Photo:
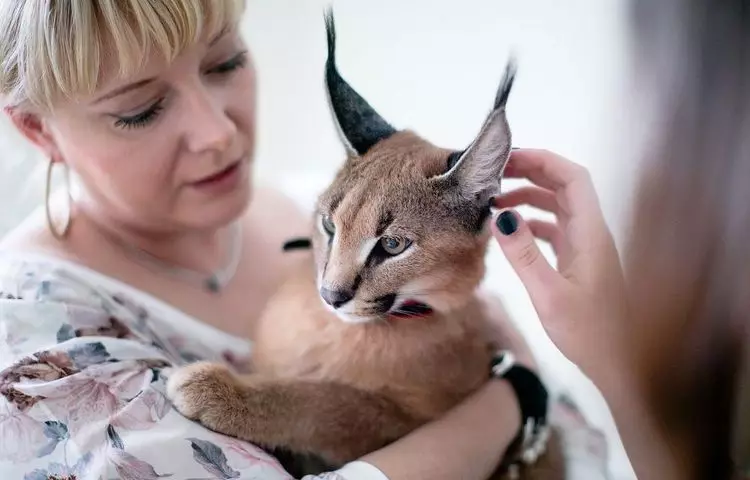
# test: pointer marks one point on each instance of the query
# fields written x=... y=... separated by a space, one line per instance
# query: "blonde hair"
x=52 y=48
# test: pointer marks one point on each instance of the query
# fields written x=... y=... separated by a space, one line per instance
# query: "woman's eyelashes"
x=234 y=63
x=145 y=117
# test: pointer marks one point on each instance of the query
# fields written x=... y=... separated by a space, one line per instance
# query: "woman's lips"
x=222 y=181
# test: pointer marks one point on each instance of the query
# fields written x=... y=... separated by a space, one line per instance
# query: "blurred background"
x=433 y=66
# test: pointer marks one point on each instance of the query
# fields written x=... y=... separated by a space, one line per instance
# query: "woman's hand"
x=582 y=304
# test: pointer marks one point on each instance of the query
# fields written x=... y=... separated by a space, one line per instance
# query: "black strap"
x=302 y=243
x=532 y=399
x=532 y=395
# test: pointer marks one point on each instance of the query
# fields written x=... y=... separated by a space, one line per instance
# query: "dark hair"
x=688 y=257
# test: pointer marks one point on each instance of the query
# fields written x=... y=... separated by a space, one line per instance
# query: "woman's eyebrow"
x=219 y=35
x=124 y=89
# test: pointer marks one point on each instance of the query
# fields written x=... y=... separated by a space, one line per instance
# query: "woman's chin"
x=222 y=211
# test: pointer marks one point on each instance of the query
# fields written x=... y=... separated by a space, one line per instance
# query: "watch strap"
x=533 y=400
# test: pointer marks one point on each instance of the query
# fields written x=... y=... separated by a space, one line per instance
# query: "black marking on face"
x=357 y=282
x=385 y=303
x=377 y=256
x=386 y=219
x=413 y=309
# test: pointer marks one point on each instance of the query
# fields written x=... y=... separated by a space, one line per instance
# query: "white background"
x=433 y=66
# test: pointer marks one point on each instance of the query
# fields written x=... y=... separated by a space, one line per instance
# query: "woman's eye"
x=394 y=245
x=147 y=116
x=328 y=224
x=140 y=119
x=236 y=62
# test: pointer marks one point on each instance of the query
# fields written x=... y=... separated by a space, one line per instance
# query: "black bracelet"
x=531 y=440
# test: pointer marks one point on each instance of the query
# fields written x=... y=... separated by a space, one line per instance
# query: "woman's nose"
x=210 y=127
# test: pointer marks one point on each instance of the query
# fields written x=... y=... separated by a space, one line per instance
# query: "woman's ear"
x=35 y=129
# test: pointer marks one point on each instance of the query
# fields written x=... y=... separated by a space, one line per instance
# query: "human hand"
x=582 y=304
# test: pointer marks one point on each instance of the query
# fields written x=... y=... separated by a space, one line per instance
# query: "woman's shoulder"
x=279 y=213
x=273 y=219
x=48 y=301
x=43 y=302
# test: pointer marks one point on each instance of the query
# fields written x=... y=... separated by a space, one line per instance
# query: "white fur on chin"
x=353 y=319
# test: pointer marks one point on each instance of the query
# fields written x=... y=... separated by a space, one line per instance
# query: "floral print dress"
x=83 y=365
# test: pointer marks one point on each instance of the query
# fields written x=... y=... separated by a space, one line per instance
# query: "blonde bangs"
x=50 y=48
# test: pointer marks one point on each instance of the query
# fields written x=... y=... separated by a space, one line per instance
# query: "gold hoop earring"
x=58 y=233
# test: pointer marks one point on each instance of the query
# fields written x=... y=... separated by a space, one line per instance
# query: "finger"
x=540 y=198
x=570 y=182
x=542 y=167
x=549 y=232
x=520 y=248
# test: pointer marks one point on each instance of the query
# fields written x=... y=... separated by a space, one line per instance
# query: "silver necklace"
x=213 y=282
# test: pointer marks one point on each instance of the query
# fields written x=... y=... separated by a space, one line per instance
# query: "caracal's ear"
x=476 y=171
x=34 y=128
x=359 y=124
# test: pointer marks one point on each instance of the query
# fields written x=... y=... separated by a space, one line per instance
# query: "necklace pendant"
x=212 y=284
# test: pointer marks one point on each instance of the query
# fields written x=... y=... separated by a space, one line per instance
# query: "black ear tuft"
x=503 y=91
x=360 y=125
x=330 y=36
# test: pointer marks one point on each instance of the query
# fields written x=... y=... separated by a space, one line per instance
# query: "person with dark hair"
x=664 y=336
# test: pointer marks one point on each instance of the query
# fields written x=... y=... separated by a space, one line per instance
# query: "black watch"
x=533 y=399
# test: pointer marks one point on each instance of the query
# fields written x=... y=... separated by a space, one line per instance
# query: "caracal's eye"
x=394 y=245
x=328 y=224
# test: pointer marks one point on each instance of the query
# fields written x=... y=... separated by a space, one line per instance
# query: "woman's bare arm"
x=468 y=442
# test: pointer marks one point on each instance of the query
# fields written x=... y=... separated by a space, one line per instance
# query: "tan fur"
x=332 y=420
x=337 y=389
x=425 y=365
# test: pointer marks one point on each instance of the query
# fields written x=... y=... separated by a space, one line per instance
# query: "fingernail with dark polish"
x=507 y=222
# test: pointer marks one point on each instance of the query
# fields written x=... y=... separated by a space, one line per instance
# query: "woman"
x=666 y=351
x=161 y=259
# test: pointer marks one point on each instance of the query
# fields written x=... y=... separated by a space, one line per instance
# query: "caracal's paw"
x=201 y=391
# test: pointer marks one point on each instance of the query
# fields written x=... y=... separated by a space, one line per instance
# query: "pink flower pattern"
x=21 y=436
x=80 y=407
x=143 y=414
x=251 y=455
